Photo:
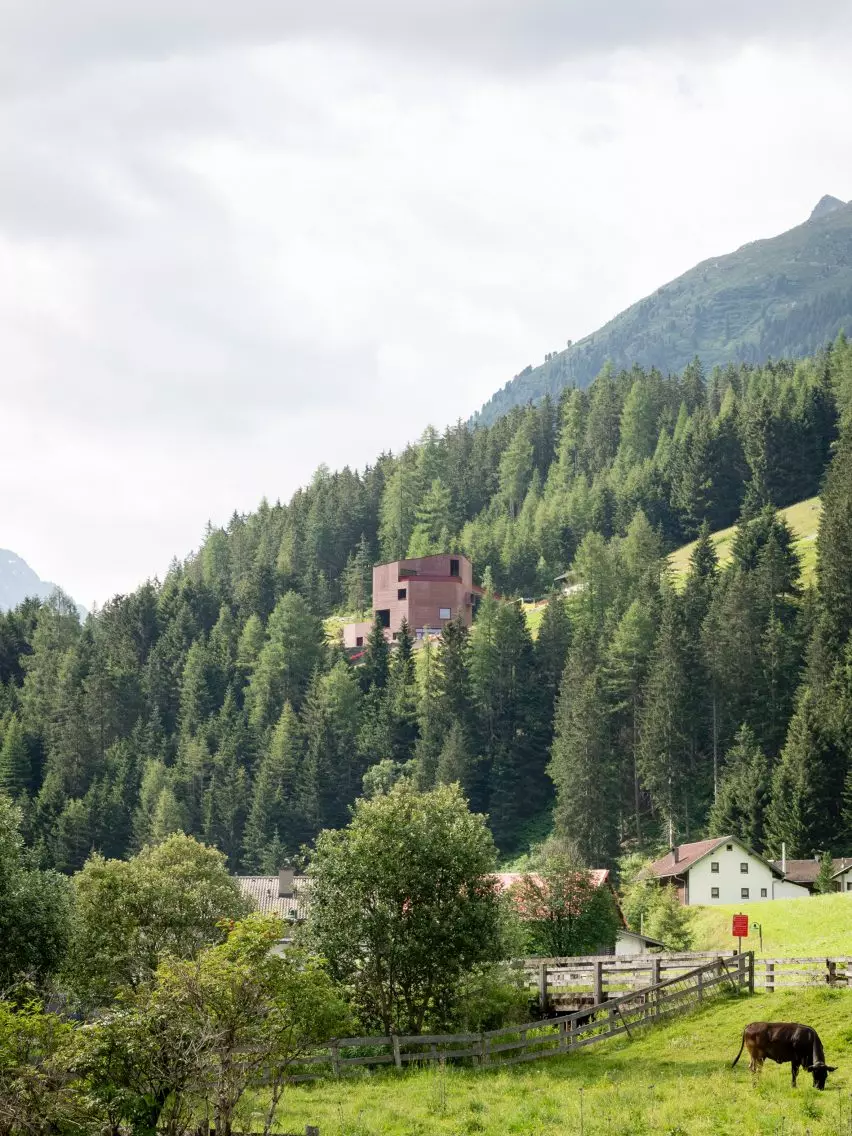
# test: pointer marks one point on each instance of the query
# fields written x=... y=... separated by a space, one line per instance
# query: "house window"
x=729 y=847
x=714 y=866
x=401 y=593
x=744 y=868
x=359 y=640
x=395 y=636
x=419 y=633
x=445 y=613
x=454 y=567
x=383 y=616
x=743 y=893
x=849 y=887
x=763 y=893
x=714 y=893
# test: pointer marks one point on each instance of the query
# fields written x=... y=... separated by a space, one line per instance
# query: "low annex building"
x=805 y=872
x=723 y=870
x=426 y=591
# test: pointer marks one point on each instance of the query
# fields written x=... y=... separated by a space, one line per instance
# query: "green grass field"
x=674 y=1080
x=803 y=519
x=818 y=925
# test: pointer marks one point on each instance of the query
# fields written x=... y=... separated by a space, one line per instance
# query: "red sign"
x=740 y=928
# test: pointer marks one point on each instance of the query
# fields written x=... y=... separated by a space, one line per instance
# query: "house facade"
x=427 y=591
x=722 y=870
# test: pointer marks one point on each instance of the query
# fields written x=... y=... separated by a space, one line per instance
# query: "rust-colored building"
x=428 y=591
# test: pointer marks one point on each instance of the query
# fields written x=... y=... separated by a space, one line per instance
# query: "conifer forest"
x=644 y=707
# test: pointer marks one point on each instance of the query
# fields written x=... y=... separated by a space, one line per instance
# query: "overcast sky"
x=240 y=240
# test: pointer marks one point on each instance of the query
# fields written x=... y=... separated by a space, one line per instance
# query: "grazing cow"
x=786 y=1041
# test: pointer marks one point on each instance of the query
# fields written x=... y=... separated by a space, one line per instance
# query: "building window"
x=454 y=567
x=729 y=847
x=383 y=616
x=714 y=866
x=744 y=868
x=395 y=636
x=763 y=893
x=401 y=593
x=743 y=893
x=714 y=893
x=359 y=640
x=419 y=633
x=445 y=613
x=849 y=887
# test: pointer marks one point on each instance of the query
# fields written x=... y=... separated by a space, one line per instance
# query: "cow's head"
x=820 y=1072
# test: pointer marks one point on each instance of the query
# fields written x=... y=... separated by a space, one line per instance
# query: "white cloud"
x=227 y=263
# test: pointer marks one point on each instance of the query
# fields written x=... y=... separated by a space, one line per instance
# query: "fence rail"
x=533 y=1040
x=563 y=983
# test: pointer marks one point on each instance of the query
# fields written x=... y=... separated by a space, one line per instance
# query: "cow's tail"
x=739 y=1055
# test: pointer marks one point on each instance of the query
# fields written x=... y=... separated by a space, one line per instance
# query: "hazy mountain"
x=18 y=581
x=788 y=295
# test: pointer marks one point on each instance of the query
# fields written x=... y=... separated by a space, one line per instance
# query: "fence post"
x=832 y=972
x=751 y=972
x=542 y=985
x=770 y=977
x=700 y=977
x=483 y=1059
x=655 y=970
x=598 y=995
x=397 y=1056
x=335 y=1058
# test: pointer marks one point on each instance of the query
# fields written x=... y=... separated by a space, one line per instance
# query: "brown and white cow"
x=786 y=1041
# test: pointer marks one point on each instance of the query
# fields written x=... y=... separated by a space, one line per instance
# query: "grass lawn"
x=818 y=925
x=673 y=1080
x=803 y=519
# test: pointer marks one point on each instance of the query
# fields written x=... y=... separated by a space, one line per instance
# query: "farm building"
x=722 y=870
x=427 y=592
x=805 y=872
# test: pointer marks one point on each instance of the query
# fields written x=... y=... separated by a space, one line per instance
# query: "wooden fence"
x=529 y=1042
x=591 y=979
x=563 y=983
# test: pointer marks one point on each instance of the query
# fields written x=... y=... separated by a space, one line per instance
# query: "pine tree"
x=834 y=547
x=358 y=578
x=806 y=811
x=581 y=764
x=741 y=805
x=274 y=816
x=824 y=883
x=551 y=652
x=15 y=765
x=375 y=667
x=431 y=534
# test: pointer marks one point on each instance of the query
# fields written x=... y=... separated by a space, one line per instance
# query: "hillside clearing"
x=803 y=519
x=818 y=925
x=675 y=1080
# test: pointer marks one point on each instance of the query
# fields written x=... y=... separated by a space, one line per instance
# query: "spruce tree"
x=375 y=666
x=15 y=765
x=581 y=763
x=274 y=816
x=740 y=807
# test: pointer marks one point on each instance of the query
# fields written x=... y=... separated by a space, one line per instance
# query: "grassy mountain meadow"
x=771 y=298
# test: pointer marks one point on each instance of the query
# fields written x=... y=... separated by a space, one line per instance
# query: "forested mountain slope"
x=779 y=297
x=211 y=702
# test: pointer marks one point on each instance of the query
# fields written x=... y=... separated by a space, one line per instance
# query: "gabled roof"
x=263 y=892
x=667 y=867
x=505 y=880
x=805 y=872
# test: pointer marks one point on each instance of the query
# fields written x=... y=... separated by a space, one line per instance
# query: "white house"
x=723 y=870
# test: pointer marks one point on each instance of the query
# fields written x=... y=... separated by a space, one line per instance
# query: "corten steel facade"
x=428 y=591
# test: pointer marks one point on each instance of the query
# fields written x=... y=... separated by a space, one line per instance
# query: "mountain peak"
x=826 y=204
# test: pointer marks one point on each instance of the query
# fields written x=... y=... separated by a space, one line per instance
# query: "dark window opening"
x=395 y=636
x=714 y=893
x=454 y=567
x=359 y=640
x=383 y=616
x=714 y=865
x=763 y=893
x=401 y=593
x=744 y=868
x=730 y=847
x=743 y=893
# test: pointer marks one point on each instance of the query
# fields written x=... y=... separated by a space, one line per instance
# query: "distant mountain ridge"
x=18 y=581
x=784 y=296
